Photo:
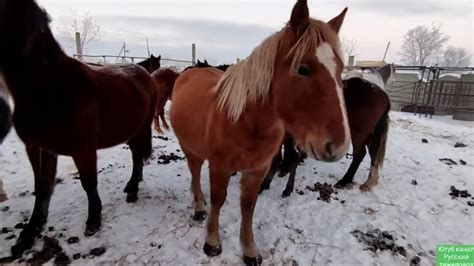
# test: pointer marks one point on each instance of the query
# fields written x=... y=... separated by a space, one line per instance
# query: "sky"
x=228 y=29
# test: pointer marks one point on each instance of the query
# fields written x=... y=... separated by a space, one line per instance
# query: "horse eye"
x=304 y=71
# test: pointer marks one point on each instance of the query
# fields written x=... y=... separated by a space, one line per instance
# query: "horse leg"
x=249 y=193
x=44 y=167
x=219 y=180
x=195 y=164
x=271 y=173
x=358 y=156
x=86 y=163
x=289 y=155
x=141 y=148
x=290 y=186
x=3 y=195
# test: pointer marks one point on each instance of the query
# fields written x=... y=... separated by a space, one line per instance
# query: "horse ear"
x=299 y=17
x=159 y=57
x=336 y=22
x=205 y=62
x=151 y=56
x=199 y=62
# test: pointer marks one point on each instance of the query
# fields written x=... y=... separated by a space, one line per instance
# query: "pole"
x=386 y=50
x=148 y=46
x=78 y=46
x=193 y=53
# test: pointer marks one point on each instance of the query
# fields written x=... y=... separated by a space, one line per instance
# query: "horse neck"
x=40 y=62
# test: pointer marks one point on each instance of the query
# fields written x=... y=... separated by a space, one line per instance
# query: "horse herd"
x=288 y=91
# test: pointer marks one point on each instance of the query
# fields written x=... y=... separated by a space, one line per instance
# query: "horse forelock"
x=251 y=79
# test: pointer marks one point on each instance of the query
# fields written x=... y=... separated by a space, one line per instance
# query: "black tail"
x=5 y=119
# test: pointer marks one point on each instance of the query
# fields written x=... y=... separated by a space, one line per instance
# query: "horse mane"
x=251 y=79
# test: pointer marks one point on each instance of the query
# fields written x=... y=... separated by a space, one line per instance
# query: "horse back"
x=366 y=103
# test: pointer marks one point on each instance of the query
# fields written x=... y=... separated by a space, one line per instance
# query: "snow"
x=299 y=228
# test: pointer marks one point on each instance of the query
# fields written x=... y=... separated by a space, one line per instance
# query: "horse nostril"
x=328 y=149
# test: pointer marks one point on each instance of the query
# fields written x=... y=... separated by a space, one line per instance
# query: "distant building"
x=370 y=64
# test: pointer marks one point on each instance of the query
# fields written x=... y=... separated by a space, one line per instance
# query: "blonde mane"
x=251 y=79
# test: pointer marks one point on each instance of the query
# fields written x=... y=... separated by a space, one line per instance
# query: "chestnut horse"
x=367 y=109
x=236 y=119
x=65 y=107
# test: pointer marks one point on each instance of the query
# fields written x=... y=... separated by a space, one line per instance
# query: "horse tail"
x=5 y=118
x=379 y=138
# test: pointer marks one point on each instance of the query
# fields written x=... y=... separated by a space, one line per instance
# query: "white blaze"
x=326 y=56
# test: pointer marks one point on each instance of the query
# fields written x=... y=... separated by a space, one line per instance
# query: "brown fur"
x=65 y=107
x=242 y=133
x=164 y=80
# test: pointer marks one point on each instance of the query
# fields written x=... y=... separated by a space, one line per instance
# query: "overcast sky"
x=226 y=29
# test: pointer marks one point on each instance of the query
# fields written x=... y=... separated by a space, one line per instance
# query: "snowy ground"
x=158 y=228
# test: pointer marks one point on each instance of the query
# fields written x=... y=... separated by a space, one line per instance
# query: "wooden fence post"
x=78 y=46
x=193 y=52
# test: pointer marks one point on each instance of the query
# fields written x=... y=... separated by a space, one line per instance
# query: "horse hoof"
x=364 y=188
x=253 y=261
x=282 y=174
x=132 y=197
x=200 y=216
x=212 y=251
x=340 y=184
x=286 y=194
x=91 y=229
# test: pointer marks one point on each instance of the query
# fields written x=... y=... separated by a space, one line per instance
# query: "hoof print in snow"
x=415 y=261
x=10 y=237
x=73 y=240
x=325 y=191
x=76 y=256
x=161 y=137
x=456 y=193
x=424 y=141
x=5 y=209
x=448 y=161
x=98 y=251
x=5 y=230
x=462 y=162
x=376 y=239
x=460 y=145
x=20 y=225
x=414 y=182
x=470 y=203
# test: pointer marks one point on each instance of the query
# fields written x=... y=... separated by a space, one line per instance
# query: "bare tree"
x=456 y=57
x=349 y=47
x=421 y=44
x=85 y=24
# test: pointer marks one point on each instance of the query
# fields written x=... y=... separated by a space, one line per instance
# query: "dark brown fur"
x=64 y=107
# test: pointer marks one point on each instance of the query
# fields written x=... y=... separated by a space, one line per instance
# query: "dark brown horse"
x=164 y=80
x=65 y=107
x=151 y=64
x=5 y=125
x=367 y=110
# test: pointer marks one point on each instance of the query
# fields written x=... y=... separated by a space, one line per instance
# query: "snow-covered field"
x=158 y=228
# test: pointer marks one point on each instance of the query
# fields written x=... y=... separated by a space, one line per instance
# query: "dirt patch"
x=51 y=248
x=376 y=240
x=456 y=193
x=325 y=191
x=448 y=161
x=161 y=137
x=460 y=145
x=167 y=159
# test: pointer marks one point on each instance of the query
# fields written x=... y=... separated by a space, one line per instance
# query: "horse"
x=222 y=67
x=151 y=64
x=164 y=80
x=5 y=125
x=65 y=107
x=236 y=119
x=367 y=106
